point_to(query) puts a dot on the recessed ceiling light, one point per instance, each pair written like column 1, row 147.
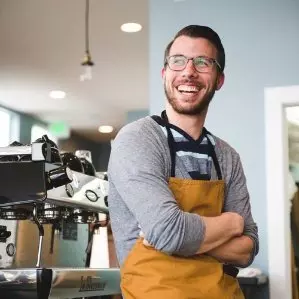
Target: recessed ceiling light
column 105, row 129
column 57, row 94
column 131, row 27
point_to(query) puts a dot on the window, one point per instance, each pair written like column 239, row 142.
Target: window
column 5, row 128
column 38, row 131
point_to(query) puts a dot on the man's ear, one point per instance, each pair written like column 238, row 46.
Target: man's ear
column 220, row 81
column 163, row 73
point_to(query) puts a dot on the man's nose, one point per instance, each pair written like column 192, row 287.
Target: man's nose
column 189, row 70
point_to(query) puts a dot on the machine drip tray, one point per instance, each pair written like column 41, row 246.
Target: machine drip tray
column 25, row 283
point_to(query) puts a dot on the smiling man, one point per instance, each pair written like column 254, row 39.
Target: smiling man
column 179, row 204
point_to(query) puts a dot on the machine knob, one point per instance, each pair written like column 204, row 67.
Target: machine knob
column 4, row 234
column 10, row 249
column 58, row 177
column 106, row 201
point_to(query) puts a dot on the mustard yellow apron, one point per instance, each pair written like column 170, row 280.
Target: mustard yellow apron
column 150, row 274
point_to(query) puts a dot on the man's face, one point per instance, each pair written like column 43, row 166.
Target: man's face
column 189, row 91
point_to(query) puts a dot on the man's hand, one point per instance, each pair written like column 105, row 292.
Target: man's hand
column 221, row 229
column 237, row 222
column 141, row 235
column 236, row 251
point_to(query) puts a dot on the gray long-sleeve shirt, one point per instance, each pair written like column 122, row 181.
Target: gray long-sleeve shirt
column 139, row 196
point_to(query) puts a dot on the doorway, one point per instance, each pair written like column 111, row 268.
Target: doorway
column 277, row 167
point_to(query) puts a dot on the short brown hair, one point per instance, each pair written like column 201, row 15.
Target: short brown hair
column 197, row 31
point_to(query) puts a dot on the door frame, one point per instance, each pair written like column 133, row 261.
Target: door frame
column 278, row 208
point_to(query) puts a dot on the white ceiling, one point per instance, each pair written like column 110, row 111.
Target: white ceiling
column 42, row 46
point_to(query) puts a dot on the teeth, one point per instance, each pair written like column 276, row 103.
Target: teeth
column 188, row 88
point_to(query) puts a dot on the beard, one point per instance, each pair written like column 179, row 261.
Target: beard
column 197, row 109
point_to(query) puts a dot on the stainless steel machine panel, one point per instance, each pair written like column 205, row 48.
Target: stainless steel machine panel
column 8, row 245
column 74, row 283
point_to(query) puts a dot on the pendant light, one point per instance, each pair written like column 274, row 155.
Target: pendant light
column 87, row 61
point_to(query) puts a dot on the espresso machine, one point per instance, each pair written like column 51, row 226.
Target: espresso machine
column 45, row 202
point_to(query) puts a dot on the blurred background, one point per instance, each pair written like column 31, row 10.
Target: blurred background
column 45, row 89
column 42, row 85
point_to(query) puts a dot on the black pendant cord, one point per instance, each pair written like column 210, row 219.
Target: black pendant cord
column 87, row 59
column 87, row 26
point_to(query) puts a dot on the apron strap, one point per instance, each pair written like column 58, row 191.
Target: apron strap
column 163, row 121
column 172, row 151
column 230, row 270
column 213, row 154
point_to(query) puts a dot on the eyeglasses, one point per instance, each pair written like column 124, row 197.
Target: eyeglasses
column 201, row 63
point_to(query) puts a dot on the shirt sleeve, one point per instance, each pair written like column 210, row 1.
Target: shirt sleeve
column 237, row 200
column 137, row 171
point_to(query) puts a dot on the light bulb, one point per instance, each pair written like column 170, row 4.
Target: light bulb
column 87, row 75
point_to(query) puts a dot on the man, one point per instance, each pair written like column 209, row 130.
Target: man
column 179, row 205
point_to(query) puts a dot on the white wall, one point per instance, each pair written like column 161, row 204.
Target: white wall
column 261, row 40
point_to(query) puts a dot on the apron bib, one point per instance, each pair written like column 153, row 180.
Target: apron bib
column 150, row 274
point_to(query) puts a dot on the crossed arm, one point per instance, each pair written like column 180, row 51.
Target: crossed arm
column 236, row 251
column 224, row 240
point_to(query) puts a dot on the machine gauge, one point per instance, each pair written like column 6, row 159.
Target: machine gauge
column 10, row 249
column 91, row 195
column 69, row 190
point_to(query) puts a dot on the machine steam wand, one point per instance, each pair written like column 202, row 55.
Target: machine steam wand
column 41, row 237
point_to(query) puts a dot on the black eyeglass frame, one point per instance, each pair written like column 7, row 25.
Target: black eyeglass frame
column 211, row 60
